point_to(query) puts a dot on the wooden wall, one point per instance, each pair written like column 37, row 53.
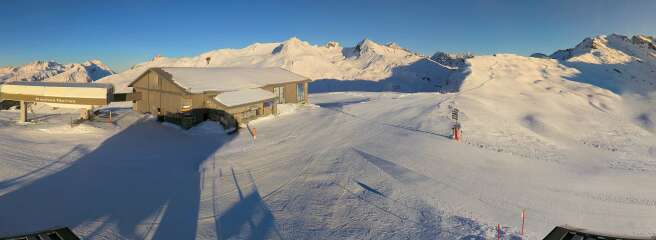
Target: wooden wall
column 289, row 91
column 159, row 92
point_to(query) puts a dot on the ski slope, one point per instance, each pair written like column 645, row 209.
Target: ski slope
column 351, row 166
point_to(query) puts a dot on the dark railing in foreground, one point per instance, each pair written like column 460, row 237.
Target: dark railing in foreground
column 53, row 234
column 573, row 233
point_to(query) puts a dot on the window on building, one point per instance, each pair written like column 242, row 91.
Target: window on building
column 300, row 92
column 280, row 93
column 185, row 105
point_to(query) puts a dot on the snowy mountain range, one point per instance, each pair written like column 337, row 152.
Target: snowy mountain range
column 616, row 62
column 605, row 81
column 599, row 93
column 49, row 71
column 366, row 66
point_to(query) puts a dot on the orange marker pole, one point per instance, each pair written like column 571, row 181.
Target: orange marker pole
column 254, row 133
column 456, row 133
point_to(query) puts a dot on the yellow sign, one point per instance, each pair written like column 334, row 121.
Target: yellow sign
column 55, row 100
column 61, row 100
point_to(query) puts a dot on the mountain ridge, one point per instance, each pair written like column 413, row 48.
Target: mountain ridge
column 378, row 66
column 51, row 71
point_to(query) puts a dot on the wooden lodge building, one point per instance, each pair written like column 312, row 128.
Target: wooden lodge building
column 243, row 93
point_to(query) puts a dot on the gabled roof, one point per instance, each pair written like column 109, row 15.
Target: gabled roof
column 198, row 80
column 244, row 96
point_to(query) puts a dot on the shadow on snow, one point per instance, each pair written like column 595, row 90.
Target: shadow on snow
column 138, row 174
column 250, row 216
column 421, row 76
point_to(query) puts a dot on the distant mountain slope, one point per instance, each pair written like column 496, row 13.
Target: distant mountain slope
column 508, row 99
column 368, row 66
column 615, row 62
column 457, row 60
column 50, row 71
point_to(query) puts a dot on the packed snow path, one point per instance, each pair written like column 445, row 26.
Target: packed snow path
column 353, row 166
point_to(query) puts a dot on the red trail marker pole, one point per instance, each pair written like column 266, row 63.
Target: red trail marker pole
column 498, row 231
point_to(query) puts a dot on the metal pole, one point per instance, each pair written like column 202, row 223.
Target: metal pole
column 23, row 111
column 523, row 220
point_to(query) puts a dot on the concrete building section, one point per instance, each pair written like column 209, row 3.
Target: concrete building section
column 84, row 96
column 23, row 112
column 244, row 93
column 62, row 93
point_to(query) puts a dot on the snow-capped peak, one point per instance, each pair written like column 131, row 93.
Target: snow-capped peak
column 456, row 60
column 366, row 46
column 333, row 44
column 644, row 41
column 627, row 63
column 291, row 46
column 639, row 46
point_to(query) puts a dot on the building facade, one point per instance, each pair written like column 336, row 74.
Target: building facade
column 83, row 96
column 244, row 93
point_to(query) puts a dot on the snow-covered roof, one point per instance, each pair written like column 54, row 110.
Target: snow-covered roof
column 61, row 84
column 198, row 80
column 244, row 96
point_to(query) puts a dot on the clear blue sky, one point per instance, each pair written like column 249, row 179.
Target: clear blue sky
column 123, row 33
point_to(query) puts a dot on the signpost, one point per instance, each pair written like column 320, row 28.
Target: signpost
column 456, row 128
column 454, row 114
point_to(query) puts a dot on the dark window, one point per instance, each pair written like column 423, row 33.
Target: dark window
column 300, row 92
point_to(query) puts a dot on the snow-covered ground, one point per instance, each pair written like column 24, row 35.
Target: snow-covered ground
column 352, row 165
column 570, row 140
